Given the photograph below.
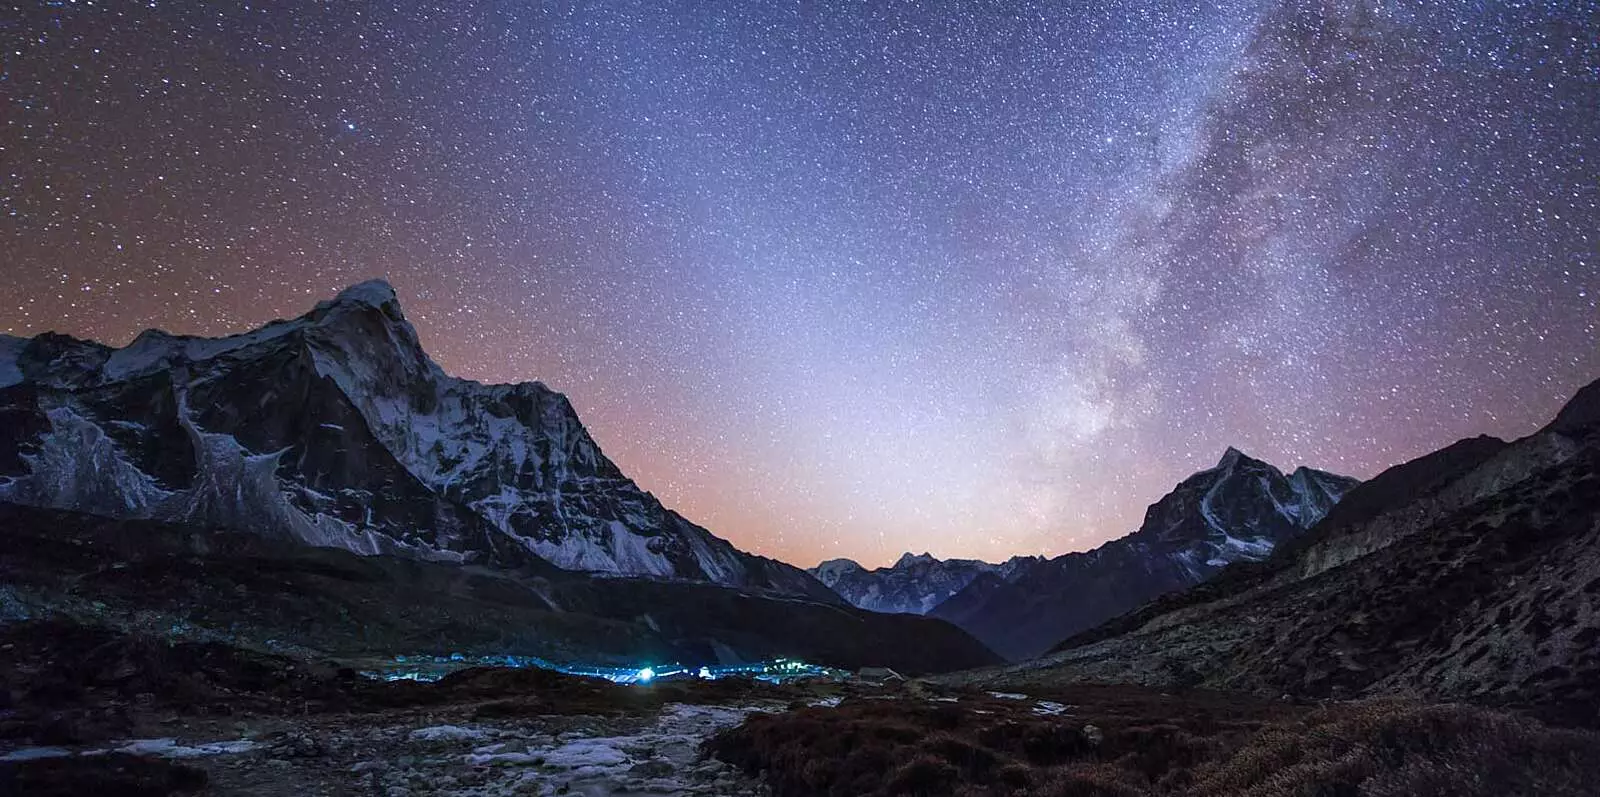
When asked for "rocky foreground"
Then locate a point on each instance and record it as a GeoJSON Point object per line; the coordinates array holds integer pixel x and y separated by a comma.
{"type": "Point", "coordinates": [89, 710]}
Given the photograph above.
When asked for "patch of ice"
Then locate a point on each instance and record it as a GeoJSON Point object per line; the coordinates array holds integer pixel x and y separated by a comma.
{"type": "Point", "coordinates": [1008, 695]}
{"type": "Point", "coordinates": [505, 759]}
{"type": "Point", "coordinates": [448, 733]}
{"type": "Point", "coordinates": [169, 748]}
{"type": "Point", "coordinates": [36, 753]}
{"type": "Point", "coordinates": [827, 702]}
{"type": "Point", "coordinates": [662, 757]}
{"type": "Point", "coordinates": [582, 754]}
{"type": "Point", "coordinates": [164, 748]}
{"type": "Point", "coordinates": [1257, 548]}
{"type": "Point", "coordinates": [1047, 708]}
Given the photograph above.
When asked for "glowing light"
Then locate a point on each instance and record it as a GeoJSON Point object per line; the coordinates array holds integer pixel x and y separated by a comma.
{"type": "Point", "coordinates": [646, 674]}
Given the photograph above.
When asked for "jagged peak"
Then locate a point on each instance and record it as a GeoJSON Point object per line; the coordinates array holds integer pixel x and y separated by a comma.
{"type": "Point", "coordinates": [836, 564]}
{"type": "Point", "coordinates": [373, 292]}
{"type": "Point", "coordinates": [1306, 474]}
{"type": "Point", "coordinates": [1230, 458]}
{"type": "Point", "coordinates": [908, 559]}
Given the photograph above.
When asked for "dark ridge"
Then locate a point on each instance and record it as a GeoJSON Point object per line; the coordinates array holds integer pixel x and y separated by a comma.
{"type": "Point", "coordinates": [1402, 484]}
{"type": "Point", "coordinates": [339, 605]}
{"type": "Point", "coordinates": [1582, 412]}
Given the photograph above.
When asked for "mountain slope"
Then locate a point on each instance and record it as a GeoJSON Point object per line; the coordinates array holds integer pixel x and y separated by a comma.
{"type": "Point", "coordinates": [201, 584]}
{"type": "Point", "coordinates": [1236, 511]}
{"type": "Point", "coordinates": [1470, 573]}
{"type": "Point", "coordinates": [335, 429]}
{"type": "Point", "coordinates": [915, 584]}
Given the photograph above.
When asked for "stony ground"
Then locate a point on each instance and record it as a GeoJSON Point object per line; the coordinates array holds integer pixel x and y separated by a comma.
{"type": "Point", "coordinates": [441, 752]}
{"type": "Point", "coordinates": [89, 710]}
{"type": "Point", "coordinates": [1129, 741]}
{"type": "Point", "coordinates": [96, 711]}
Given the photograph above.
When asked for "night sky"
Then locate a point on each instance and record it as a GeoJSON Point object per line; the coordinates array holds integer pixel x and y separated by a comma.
{"type": "Point", "coordinates": [850, 279]}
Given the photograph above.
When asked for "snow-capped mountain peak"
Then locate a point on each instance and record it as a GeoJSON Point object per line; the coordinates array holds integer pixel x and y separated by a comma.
{"type": "Point", "coordinates": [374, 293]}
{"type": "Point", "coordinates": [1230, 458]}
{"type": "Point", "coordinates": [831, 571]}
{"type": "Point", "coordinates": [375, 448]}
{"type": "Point", "coordinates": [1238, 510]}
{"type": "Point", "coordinates": [914, 584]}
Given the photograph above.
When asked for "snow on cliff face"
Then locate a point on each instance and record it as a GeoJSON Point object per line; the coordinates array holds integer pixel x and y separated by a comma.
{"type": "Point", "coordinates": [336, 429]}
{"type": "Point", "coordinates": [1236, 511]}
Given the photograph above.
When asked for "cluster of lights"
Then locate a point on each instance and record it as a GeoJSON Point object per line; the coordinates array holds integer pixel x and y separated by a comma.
{"type": "Point", "coordinates": [431, 668]}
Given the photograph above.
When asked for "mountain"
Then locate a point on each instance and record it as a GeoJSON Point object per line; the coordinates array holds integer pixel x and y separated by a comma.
{"type": "Point", "coordinates": [335, 429]}
{"type": "Point", "coordinates": [1471, 573]}
{"type": "Point", "coordinates": [913, 585]}
{"type": "Point", "coordinates": [1237, 511]}
{"type": "Point", "coordinates": [186, 583]}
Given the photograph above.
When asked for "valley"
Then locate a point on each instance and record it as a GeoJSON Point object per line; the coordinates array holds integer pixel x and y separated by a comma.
{"type": "Point", "coordinates": [303, 560]}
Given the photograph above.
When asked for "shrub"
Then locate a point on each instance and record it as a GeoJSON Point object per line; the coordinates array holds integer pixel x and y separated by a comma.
{"type": "Point", "coordinates": [1157, 744]}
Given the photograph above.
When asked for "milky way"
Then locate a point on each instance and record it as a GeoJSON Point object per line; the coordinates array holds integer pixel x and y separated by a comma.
{"type": "Point", "coordinates": [849, 279]}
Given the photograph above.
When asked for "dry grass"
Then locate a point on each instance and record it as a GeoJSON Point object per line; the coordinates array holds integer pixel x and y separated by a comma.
{"type": "Point", "coordinates": [1385, 748]}
{"type": "Point", "coordinates": [1146, 743]}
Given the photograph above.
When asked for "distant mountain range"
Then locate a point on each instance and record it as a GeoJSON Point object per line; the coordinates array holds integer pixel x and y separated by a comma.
{"type": "Point", "coordinates": [913, 585]}
{"type": "Point", "coordinates": [1470, 573]}
{"type": "Point", "coordinates": [177, 477]}
{"type": "Point", "coordinates": [1237, 511]}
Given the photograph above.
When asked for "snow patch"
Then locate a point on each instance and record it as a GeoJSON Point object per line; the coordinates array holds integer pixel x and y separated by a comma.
{"type": "Point", "coordinates": [156, 350]}
{"type": "Point", "coordinates": [1048, 708]}
{"type": "Point", "coordinates": [448, 733]}
{"type": "Point", "coordinates": [169, 748]}
{"type": "Point", "coordinates": [162, 748]}
{"type": "Point", "coordinates": [36, 753]}
{"type": "Point", "coordinates": [662, 757]}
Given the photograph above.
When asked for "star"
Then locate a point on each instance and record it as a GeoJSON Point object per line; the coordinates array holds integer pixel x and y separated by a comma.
{"type": "Point", "coordinates": [856, 279]}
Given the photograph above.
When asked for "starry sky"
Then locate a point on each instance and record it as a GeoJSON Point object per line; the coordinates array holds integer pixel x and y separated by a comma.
{"type": "Point", "coordinates": [855, 278]}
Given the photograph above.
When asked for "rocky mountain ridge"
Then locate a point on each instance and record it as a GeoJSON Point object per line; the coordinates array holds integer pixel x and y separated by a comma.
{"type": "Point", "coordinates": [1468, 573]}
{"type": "Point", "coordinates": [1236, 511]}
{"type": "Point", "coordinates": [914, 584]}
{"type": "Point", "coordinates": [335, 429]}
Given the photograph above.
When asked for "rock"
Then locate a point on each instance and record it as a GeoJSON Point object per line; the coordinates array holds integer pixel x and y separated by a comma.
{"type": "Point", "coordinates": [654, 768]}
{"type": "Point", "coordinates": [1093, 735]}
{"type": "Point", "coordinates": [296, 744]}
